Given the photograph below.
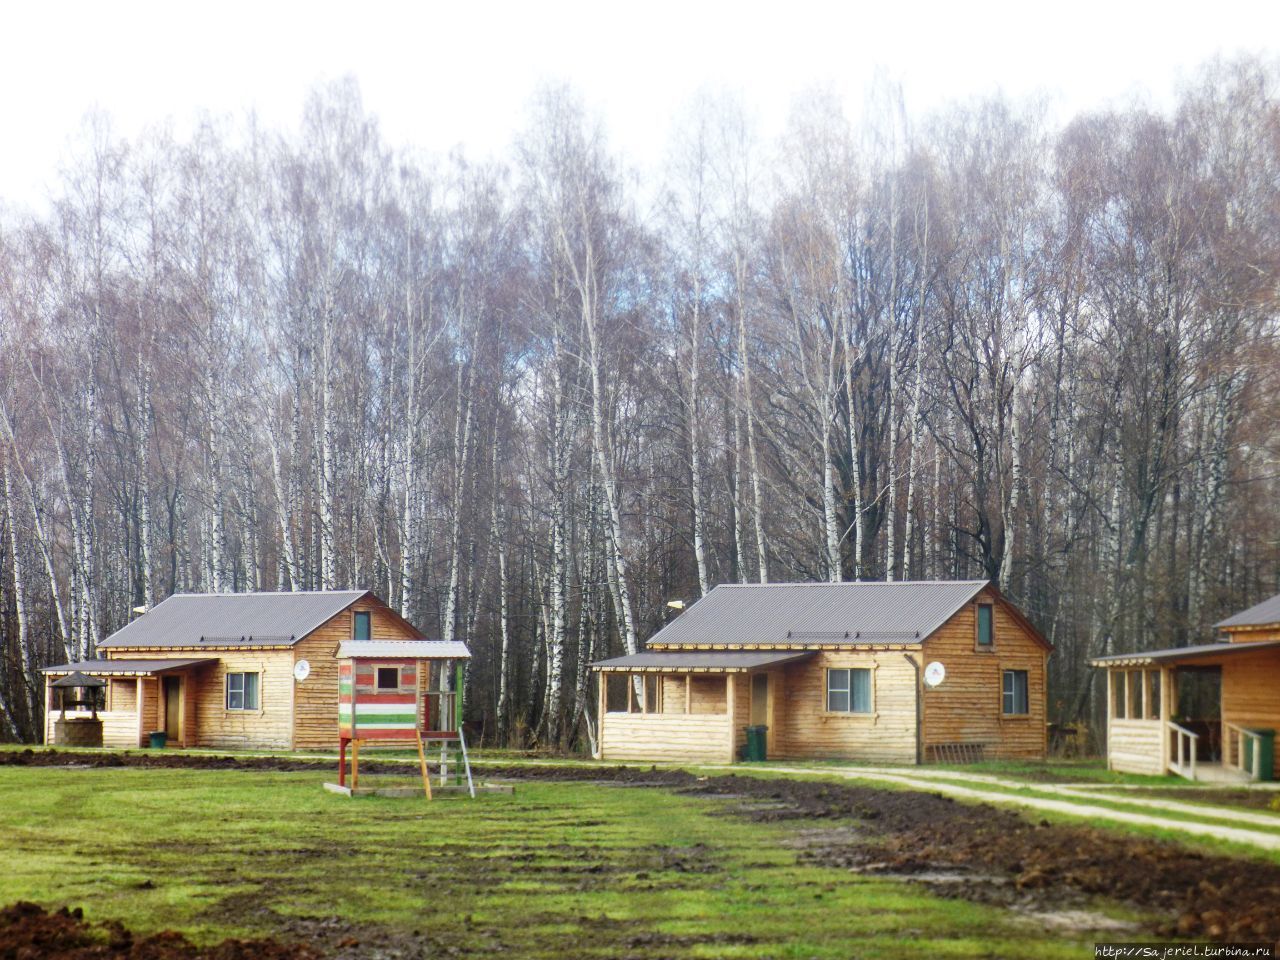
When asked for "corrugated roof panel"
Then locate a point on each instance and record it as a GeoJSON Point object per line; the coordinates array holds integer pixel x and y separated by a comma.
{"type": "Point", "coordinates": [126, 667]}
{"type": "Point", "coordinates": [711, 660]}
{"type": "Point", "coordinates": [1266, 612]}
{"type": "Point", "coordinates": [232, 619]}
{"type": "Point", "coordinates": [902, 612]}
{"type": "Point", "coordinates": [1210, 651]}
{"type": "Point", "coordinates": [425, 649]}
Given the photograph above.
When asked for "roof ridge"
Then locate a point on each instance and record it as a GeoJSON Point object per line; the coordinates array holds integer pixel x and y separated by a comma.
{"type": "Point", "coordinates": [855, 583]}
{"type": "Point", "coordinates": [264, 593]}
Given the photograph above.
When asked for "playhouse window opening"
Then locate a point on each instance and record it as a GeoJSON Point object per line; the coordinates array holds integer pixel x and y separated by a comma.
{"type": "Point", "coordinates": [388, 678]}
{"type": "Point", "coordinates": [1015, 693]}
{"type": "Point", "coordinates": [242, 691]}
{"type": "Point", "coordinates": [849, 691]}
{"type": "Point", "coordinates": [362, 628]}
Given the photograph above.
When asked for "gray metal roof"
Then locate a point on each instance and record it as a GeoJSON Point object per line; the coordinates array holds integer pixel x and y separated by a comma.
{"type": "Point", "coordinates": [1268, 611]}
{"type": "Point", "coordinates": [1204, 651]}
{"type": "Point", "coordinates": [422, 649]}
{"type": "Point", "coordinates": [774, 614]}
{"type": "Point", "coordinates": [711, 661]}
{"type": "Point", "coordinates": [131, 668]}
{"type": "Point", "coordinates": [232, 619]}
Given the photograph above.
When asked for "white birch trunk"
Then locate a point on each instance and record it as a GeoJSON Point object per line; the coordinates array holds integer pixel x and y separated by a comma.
{"type": "Point", "coordinates": [31, 680]}
{"type": "Point", "coordinates": [917, 416]}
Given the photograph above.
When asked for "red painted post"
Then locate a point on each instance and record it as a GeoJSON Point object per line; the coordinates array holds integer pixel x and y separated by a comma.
{"type": "Point", "coordinates": [342, 761]}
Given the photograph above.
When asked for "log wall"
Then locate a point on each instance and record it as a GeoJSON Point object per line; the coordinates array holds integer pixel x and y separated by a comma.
{"type": "Point", "coordinates": [316, 703]}
{"type": "Point", "coordinates": [1254, 635]}
{"type": "Point", "coordinates": [1251, 690]}
{"type": "Point", "coordinates": [119, 727]}
{"type": "Point", "coordinates": [807, 729]}
{"type": "Point", "coordinates": [682, 738]}
{"type": "Point", "coordinates": [1135, 746]}
{"type": "Point", "coordinates": [967, 707]}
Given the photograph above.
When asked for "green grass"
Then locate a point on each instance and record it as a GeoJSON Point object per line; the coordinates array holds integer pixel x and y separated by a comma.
{"type": "Point", "coordinates": [555, 870]}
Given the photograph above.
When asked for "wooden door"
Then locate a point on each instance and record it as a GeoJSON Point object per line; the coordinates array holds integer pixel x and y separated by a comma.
{"type": "Point", "coordinates": [173, 707]}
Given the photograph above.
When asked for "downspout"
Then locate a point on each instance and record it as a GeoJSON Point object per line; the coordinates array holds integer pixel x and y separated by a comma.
{"type": "Point", "coordinates": [919, 710]}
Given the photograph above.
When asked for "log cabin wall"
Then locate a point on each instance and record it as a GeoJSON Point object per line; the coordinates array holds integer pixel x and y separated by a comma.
{"type": "Point", "coordinates": [1251, 690]}
{"type": "Point", "coordinates": [1253, 634]}
{"type": "Point", "coordinates": [967, 708]}
{"type": "Point", "coordinates": [316, 706]}
{"type": "Point", "coordinates": [1135, 746]}
{"type": "Point", "coordinates": [741, 709]}
{"type": "Point", "coordinates": [268, 727]}
{"type": "Point", "coordinates": [806, 729]}
{"type": "Point", "coordinates": [668, 737]}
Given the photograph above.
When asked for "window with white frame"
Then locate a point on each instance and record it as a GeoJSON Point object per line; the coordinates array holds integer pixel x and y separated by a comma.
{"type": "Point", "coordinates": [242, 691]}
{"type": "Point", "coordinates": [1015, 693]}
{"type": "Point", "coordinates": [849, 690]}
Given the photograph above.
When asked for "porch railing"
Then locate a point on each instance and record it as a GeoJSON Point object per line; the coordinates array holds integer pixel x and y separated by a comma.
{"type": "Point", "coordinates": [1235, 739]}
{"type": "Point", "coordinates": [1185, 744]}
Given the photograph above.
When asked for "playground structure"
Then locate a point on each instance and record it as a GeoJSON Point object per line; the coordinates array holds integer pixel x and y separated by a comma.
{"type": "Point", "coordinates": [396, 692]}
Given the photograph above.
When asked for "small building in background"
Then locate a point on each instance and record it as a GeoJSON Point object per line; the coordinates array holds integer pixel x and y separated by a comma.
{"type": "Point", "coordinates": [901, 672]}
{"type": "Point", "coordinates": [1207, 712]}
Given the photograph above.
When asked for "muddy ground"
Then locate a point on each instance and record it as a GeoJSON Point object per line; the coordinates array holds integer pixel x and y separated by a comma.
{"type": "Point", "coordinates": [1253, 799]}
{"type": "Point", "coordinates": [974, 851]}
{"type": "Point", "coordinates": [29, 932]}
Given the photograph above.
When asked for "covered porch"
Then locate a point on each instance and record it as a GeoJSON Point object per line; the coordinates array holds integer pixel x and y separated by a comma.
{"type": "Point", "coordinates": [687, 706]}
{"type": "Point", "coordinates": [139, 697]}
{"type": "Point", "coordinates": [1205, 713]}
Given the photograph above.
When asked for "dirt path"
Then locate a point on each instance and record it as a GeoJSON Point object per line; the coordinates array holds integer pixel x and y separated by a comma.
{"type": "Point", "coordinates": [1078, 806]}
{"type": "Point", "coordinates": [1088, 791]}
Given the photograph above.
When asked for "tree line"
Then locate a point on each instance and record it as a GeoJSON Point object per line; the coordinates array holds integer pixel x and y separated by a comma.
{"type": "Point", "coordinates": [530, 400]}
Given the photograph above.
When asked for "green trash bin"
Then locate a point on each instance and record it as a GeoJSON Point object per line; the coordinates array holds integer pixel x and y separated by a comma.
{"type": "Point", "coordinates": [1266, 752]}
{"type": "Point", "coordinates": [158, 739]}
{"type": "Point", "coordinates": [757, 742]}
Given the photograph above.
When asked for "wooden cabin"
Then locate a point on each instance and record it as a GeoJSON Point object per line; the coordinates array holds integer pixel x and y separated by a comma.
{"type": "Point", "coordinates": [903, 672]}
{"type": "Point", "coordinates": [1154, 725]}
{"type": "Point", "coordinates": [245, 670]}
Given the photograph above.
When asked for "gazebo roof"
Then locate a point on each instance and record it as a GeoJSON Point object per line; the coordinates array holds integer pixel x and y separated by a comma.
{"type": "Point", "coordinates": [78, 679]}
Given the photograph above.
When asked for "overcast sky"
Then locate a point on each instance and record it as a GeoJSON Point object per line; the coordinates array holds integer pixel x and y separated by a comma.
{"type": "Point", "coordinates": [441, 74]}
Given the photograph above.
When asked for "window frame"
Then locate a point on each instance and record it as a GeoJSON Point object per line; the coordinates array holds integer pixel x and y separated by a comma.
{"type": "Point", "coordinates": [227, 691]}
{"type": "Point", "coordinates": [377, 678]}
{"type": "Point", "coordinates": [848, 691]}
{"type": "Point", "coordinates": [1007, 695]}
{"type": "Point", "coordinates": [355, 619]}
{"type": "Point", "coordinates": [978, 607]}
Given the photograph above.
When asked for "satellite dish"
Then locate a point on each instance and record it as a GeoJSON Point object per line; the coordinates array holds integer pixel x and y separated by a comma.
{"type": "Point", "coordinates": [934, 674]}
{"type": "Point", "coordinates": [301, 670]}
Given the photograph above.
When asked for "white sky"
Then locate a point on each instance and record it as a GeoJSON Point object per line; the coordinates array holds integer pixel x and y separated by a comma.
{"type": "Point", "coordinates": [439, 74]}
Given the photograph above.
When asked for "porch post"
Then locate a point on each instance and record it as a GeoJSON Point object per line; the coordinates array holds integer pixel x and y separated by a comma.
{"type": "Point", "coordinates": [138, 706]}
{"type": "Point", "coordinates": [600, 701]}
{"type": "Point", "coordinates": [1166, 714]}
{"type": "Point", "coordinates": [728, 699]}
{"type": "Point", "coordinates": [1109, 712]}
{"type": "Point", "coordinates": [688, 693]}
{"type": "Point", "coordinates": [48, 709]}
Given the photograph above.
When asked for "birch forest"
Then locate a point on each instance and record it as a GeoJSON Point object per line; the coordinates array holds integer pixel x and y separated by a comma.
{"type": "Point", "coordinates": [530, 400]}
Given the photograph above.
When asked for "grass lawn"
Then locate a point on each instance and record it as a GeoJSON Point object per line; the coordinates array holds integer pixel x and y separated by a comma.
{"type": "Point", "coordinates": [555, 870]}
